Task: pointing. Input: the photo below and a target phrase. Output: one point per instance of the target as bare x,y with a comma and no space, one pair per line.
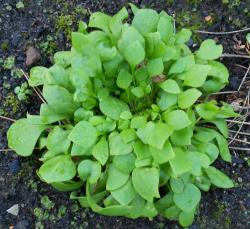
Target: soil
46,25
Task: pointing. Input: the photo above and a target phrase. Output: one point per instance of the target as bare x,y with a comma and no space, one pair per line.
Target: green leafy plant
127,119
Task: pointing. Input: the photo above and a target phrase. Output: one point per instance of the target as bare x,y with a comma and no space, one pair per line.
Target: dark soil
46,25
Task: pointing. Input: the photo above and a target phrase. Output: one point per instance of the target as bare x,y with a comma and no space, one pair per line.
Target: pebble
32,56
14,210
15,166
24,224
240,179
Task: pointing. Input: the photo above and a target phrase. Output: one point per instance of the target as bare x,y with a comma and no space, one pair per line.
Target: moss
9,63
64,23
5,45
11,101
47,203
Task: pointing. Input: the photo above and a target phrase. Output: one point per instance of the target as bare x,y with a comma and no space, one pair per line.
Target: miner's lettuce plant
127,125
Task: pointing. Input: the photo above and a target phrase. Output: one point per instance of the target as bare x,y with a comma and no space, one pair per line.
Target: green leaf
83,134
164,155
209,50
198,160
210,149
138,92
113,107
186,218
146,182
177,185
182,137
187,98
166,100
49,116
165,28
67,186
172,212
141,150
62,58
117,146
207,111
101,151
170,86
134,53
178,119
78,150
57,169
221,124
196,75
155,67
100,20
218,178
128,135
58,141
90,170
124,79
180,163
248,38
218,71
205,134
59,99
183,36
23,135
124,163
145,20
156,134
125,194
189,199
223,146
37,76
116,179
182,64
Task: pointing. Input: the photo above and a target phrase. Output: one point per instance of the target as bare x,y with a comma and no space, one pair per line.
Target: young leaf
113,107
183,36
90,170
196,75
180,163
207,111
164,155
83,134
125,194
178,119
189,199
165,28
177,185
182,137
218,71
57,169
23,135
124,79
209,50
116,179
134,53
59,99
182,64
166,100
187,98
156,134
101,151
100,20
223,146
170,86
218,178
146,182
186,218
155,67
117,146
145,20
37,76
124,163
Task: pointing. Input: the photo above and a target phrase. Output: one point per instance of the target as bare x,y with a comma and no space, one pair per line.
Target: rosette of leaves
127,120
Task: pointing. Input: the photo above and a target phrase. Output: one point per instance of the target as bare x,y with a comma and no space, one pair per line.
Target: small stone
13,210
208,18
32,56
240,179
24,224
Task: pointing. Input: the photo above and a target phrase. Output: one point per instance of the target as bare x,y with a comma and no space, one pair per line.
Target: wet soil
46,25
